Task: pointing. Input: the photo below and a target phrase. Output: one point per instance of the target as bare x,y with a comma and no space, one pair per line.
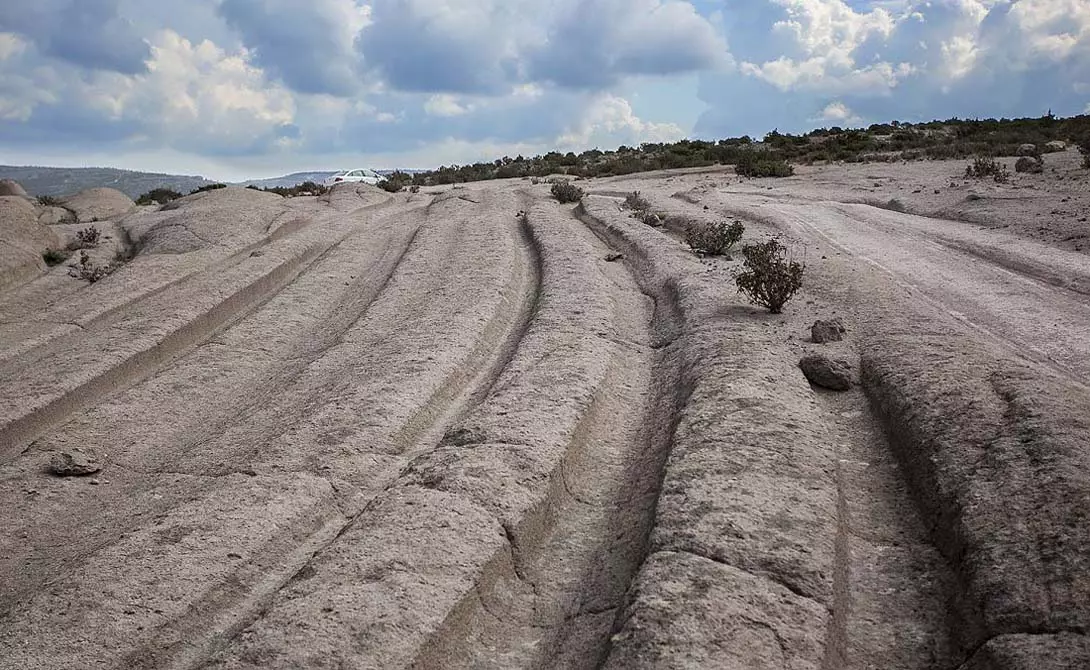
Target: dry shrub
714,239
636,202
982,167
567,192
769,278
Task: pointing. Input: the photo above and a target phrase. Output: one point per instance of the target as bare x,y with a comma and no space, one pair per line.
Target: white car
365,176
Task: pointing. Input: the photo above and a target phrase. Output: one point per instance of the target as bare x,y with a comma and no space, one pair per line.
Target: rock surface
825,331
22,241
1027,150
73,463
829,373
98,204
10,187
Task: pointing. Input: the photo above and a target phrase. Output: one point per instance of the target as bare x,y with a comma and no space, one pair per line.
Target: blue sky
247,88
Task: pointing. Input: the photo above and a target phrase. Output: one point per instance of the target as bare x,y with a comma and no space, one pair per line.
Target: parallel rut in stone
560,611
892,586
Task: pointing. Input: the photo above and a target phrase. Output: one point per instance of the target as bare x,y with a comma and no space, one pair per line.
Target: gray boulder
1027,150
73,464
9,187
1056,145
98,204
828,373
831,330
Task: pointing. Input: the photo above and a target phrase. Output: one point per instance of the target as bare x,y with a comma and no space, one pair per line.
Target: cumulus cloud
259,82
85,33
912,60
609,121
307,45
489,46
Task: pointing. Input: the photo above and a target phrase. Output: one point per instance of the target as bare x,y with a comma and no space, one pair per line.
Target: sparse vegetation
750,164
714,239
158,196
647,217
1084,148
635,202
566,192
983,167
48,201
886,142
87,238
88,270
1029,164
395,181
207,187
769,278
54,256
306,188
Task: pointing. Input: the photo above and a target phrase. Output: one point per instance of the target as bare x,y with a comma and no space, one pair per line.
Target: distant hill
289,180
63,181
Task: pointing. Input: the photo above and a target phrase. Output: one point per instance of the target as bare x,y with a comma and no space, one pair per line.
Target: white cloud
838,112
444,104
609,121
11,45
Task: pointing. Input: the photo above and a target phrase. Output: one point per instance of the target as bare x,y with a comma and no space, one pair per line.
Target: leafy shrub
982,167
714,239
88,270
207,187
396,181
636,202
48,201
158,196
567,192
895,205
769,278
415,188
306,188
751,164
54,256
1029,164
87,238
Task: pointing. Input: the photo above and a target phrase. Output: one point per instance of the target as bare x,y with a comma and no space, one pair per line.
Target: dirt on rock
472,427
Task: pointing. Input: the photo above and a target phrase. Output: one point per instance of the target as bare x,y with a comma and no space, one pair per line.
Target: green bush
982,167
207,187
715,239
567,192
306,188
768,277
158,196
396,181
48,201
752,164
54,256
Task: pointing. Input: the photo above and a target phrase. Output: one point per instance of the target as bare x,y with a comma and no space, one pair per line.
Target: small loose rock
73,464
824,331
828,373
614,257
